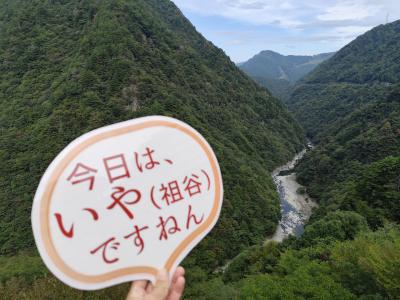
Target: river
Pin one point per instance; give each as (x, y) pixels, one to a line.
(296, 206)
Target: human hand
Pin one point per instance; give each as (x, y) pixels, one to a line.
(144, 290)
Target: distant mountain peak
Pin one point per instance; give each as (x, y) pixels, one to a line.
(278, 72)
(269, 52)
(273, 65)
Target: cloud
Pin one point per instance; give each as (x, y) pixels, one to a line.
(247, 26)
(295, 13)
(349, 31)
(349, 10)
(252, 5)
(250, 11)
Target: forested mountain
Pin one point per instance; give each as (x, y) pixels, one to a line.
(359, 74)
(278, 72)
(350, 249)
(270, 64)
(67, 67)
(350, 105)
(280, 88)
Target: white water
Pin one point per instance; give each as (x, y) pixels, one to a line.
(296, 208)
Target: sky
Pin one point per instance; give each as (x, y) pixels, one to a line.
(243, 28)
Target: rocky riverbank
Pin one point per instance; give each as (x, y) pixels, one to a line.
(296, 205)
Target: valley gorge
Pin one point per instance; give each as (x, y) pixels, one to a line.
(330, 214)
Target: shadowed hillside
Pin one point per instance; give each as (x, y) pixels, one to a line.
(68, 67)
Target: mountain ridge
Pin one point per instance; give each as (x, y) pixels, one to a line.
(350, 106)
(274, 65)
(68, 67)
(278, 72)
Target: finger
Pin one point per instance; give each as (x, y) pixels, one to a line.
(137, 290)
(140, 284)
(149, 288)
(177, 289)
(180, 272)
(160, 289)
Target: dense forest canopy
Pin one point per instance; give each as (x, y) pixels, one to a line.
(371, 57)
(350, 249)
(69, 66)
(350, 106)
(359, 74)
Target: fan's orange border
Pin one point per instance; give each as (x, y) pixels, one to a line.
(47, 196)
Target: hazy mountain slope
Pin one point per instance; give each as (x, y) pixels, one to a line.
(368, 136)
(350, 248)
(271, 64)
(67, 67)
(371, 57)
(277, 72)
(280, 88)
(350, 105)
(356, 75)
(319, 106)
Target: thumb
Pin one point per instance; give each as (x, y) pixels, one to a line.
(161, 287)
